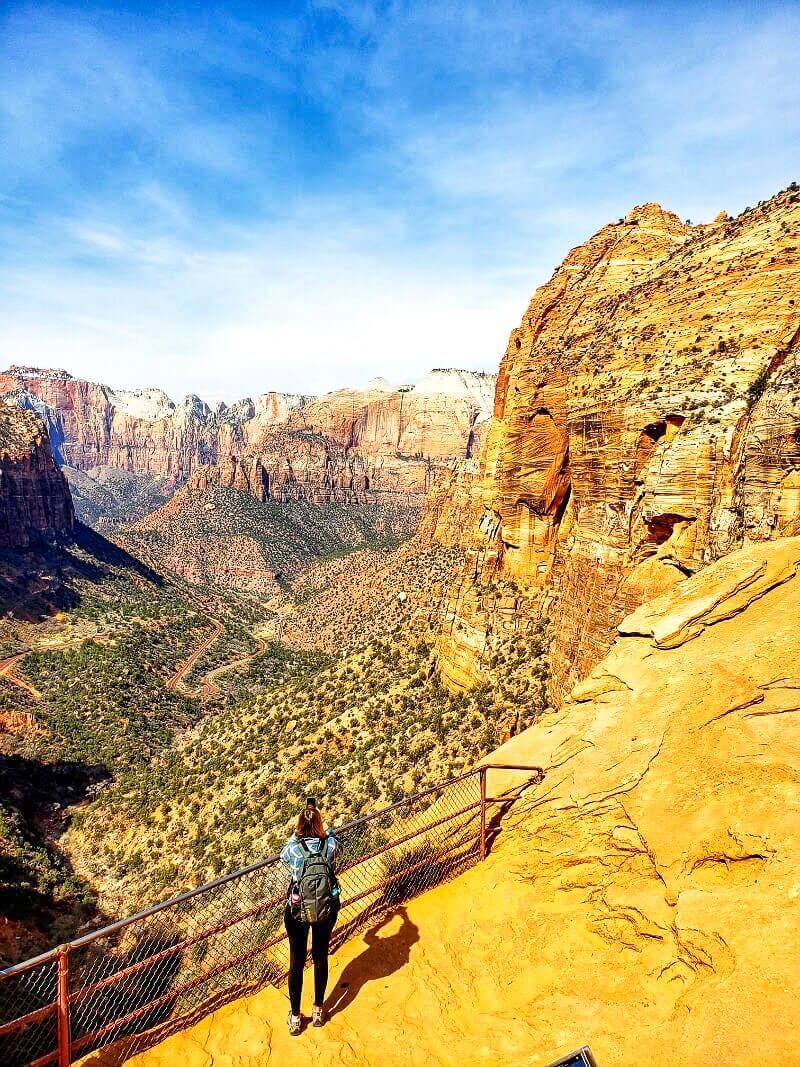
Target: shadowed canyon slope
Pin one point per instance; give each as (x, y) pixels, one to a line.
(126, 451)
(647, 421)
(644, 898)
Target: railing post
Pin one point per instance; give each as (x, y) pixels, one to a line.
(483, 813)
(64, 1042)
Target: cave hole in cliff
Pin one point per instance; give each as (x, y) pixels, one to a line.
(648, 439)
(655, 431)
(540, 413)
(661, 527)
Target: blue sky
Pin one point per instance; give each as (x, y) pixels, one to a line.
(231, 198)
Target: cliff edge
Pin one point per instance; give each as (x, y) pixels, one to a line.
(35, 503)
(644, 899)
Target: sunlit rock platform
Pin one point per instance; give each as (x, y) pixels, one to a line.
(644, 899)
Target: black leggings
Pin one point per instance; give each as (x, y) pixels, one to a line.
(298, 951)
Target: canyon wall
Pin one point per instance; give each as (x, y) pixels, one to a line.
(35, 503)
(438, 418)
(646, 422)
(339, 446)
(139, 431)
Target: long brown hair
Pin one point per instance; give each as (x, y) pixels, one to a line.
(309, 823)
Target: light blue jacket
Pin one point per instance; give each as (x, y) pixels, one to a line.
(293, 856)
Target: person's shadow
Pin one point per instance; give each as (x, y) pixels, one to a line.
(382, 957)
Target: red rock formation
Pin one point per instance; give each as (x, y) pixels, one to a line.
(142, 432)
(295, 465)
(245, 473)
(647, 421)
(436, 419)
(34, 499)
(335, 447)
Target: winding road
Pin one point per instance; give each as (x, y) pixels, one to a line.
(234, 663)
(7, 671)
(207, 688)
(177, 680)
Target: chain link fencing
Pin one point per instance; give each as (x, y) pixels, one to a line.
(28, 1016)
(136, 981)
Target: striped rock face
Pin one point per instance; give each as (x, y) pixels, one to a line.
(647, 422)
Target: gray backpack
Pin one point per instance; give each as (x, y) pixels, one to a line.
(317, 885)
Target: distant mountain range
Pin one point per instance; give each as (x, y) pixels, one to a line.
(124, 452)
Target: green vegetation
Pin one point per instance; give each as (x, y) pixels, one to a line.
(344, 604)
(175, 789)
(36, 884)
(359, 732)
(41, 901)
(756, 388)
(235, 643)
(279, 665)
(107, 703)
(386, 543)
(226, 539)
(102, 666)
(106, 635)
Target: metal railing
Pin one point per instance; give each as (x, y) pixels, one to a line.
(134, 982)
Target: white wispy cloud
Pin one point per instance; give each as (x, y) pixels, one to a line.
(304, 201)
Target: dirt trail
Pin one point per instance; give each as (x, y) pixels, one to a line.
(176, 681)
(207, 689)
(208, 679)
(7, 671)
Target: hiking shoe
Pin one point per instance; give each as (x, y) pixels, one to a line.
(318, 1016)
(295, 1024)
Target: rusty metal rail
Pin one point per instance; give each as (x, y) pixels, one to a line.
(134, 981)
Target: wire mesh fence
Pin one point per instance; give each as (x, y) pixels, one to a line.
(28, 1002)
(133, 983)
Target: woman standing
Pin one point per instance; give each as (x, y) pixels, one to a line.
(312, 903)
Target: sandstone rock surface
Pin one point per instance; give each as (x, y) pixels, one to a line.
(644, 899)
(34, 498)
(646, 422)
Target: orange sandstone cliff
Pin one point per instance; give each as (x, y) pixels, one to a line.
(646, 422)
